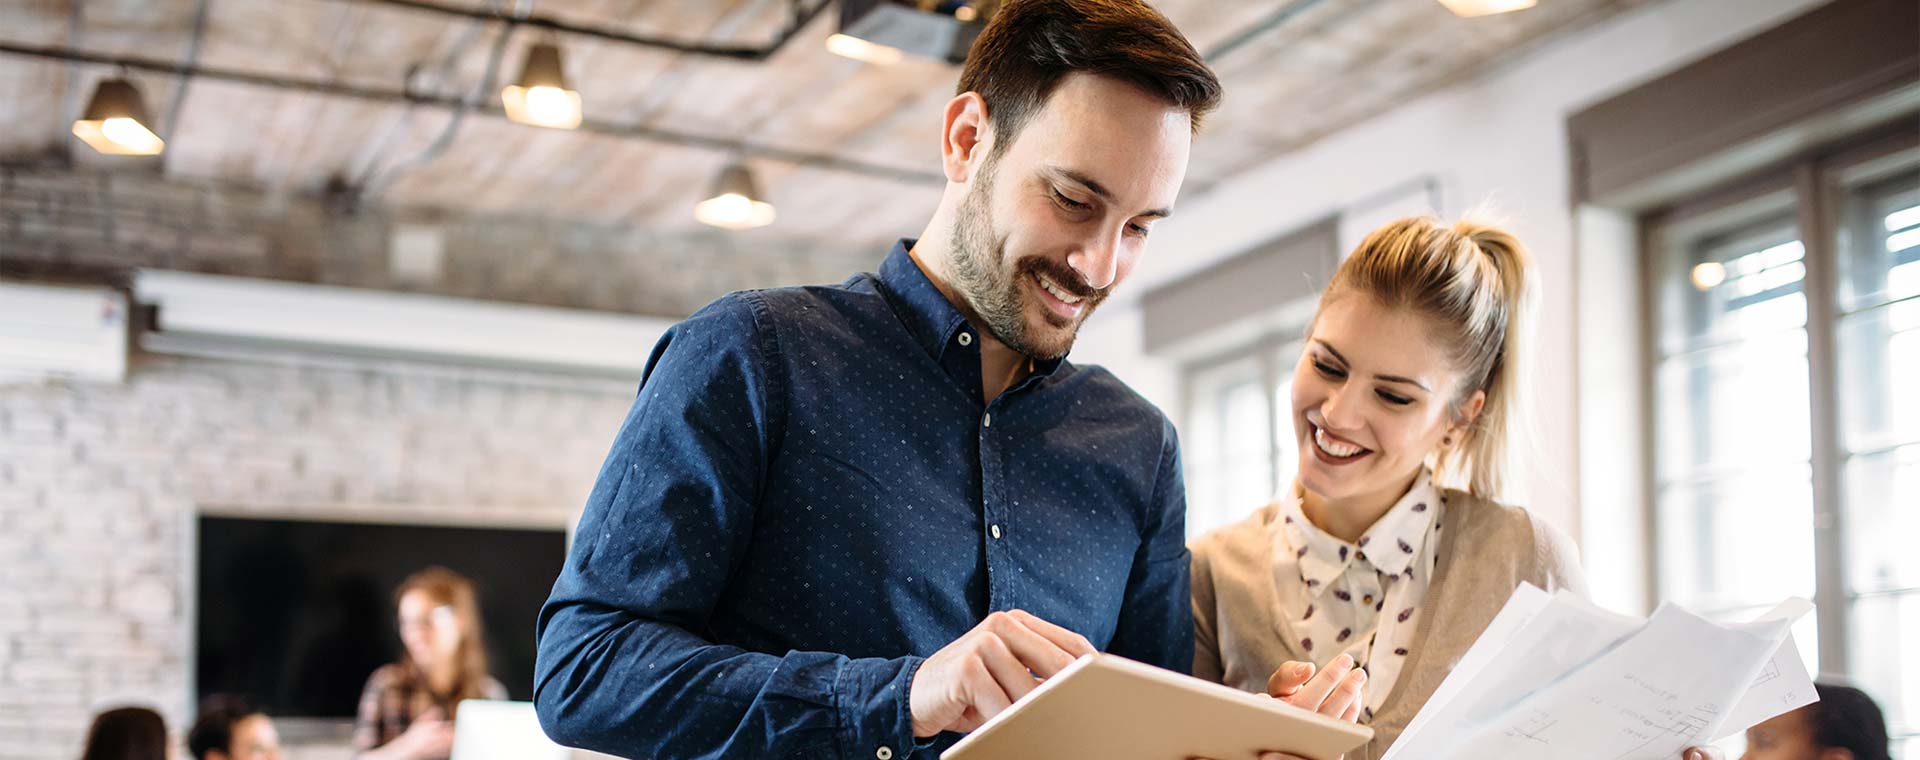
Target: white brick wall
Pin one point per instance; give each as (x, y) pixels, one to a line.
(62, 223)
(99, 485)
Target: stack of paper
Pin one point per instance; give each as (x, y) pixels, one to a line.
(1554, 676)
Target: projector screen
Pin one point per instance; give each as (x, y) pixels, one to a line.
(295, 614)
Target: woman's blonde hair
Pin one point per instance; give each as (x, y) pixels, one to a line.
(450, 589)
(1471, 281)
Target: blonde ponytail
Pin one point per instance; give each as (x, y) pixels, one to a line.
(1474, 281)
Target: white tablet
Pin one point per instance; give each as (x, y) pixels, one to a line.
(1116, 709)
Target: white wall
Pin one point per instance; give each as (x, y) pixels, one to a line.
(101, 483)
(1499, 138)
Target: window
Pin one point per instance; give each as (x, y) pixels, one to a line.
(1877, 339)
(1237, 433)
(1786, 397)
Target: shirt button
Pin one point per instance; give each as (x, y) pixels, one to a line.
(989, 421)
(966, 339)
(994, 529)
(885, 752)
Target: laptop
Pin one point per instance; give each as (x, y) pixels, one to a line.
(488, 729)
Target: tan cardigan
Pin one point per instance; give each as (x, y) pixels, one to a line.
(1486, 550)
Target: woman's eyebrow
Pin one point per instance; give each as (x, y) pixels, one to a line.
(1389, 378)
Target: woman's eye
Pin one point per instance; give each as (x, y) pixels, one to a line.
(1394, 399)
(1328, 370)
(1063, 200)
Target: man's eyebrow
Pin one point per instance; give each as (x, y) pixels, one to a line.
(1094, 186)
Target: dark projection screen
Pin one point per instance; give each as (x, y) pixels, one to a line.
(296, 614)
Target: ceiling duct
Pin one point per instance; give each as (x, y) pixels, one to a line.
(940, 30)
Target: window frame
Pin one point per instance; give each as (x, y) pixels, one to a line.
(1265, 353)
(1814, 184)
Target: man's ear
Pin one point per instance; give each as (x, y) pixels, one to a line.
(965, 136)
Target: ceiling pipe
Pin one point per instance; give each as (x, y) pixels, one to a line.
(801, 15)
(597, 126)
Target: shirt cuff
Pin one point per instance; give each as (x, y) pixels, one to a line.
(874, 699)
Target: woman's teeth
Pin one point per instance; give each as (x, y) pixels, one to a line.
(1331, 446)
(1064, 296)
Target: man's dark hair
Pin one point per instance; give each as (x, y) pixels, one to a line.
(1846, 718)
(1031, 45)
(214, 729)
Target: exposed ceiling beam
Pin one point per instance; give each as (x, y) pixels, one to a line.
(596, 126)
(801, 15)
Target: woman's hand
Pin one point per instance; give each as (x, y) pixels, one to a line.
(1702, 753)
(429, 736)
(1338, 692)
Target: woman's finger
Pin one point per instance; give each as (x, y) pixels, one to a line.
(1352, 713)
(1288, 678)
(1315, 692)
(1346, 696)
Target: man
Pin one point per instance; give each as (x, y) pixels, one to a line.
(230, 729)
(851, 521)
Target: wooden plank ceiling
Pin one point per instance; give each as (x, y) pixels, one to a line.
(1294, 71)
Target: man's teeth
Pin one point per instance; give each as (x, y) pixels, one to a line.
(1331, 446)
(1064, 296)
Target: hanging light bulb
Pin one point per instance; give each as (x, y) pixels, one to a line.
(1472, 8)
(735, 202)
(848, 46)
(115, 121)
(541, 97)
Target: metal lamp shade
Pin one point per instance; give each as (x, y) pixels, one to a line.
(115, 121)
(735, 202)
(540, 96)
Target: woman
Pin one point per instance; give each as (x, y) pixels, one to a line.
(407, 710)
(127, 733)
(1389, 553)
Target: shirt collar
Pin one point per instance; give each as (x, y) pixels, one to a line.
(927, 313)
(1389, 546)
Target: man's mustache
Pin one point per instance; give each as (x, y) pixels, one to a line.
(1061, 276)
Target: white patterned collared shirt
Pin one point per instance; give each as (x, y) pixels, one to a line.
(1361, 598)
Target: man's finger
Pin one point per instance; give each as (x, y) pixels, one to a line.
(983, 691)
(1073, 643)
(1287, 678)
(1038, 653)
(1314, 693)
(1006, 670)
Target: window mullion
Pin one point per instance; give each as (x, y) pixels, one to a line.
(1818, 234)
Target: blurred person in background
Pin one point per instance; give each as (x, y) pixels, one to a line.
(127, 733)
(407, 710)
(230, 728)
(1844, 724)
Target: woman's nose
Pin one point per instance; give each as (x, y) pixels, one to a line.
(1336, 413)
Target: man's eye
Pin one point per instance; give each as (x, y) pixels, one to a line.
(1063, 200)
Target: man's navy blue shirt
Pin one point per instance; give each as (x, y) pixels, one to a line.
(810, 495)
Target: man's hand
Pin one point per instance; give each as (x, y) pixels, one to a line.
(988, 669)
